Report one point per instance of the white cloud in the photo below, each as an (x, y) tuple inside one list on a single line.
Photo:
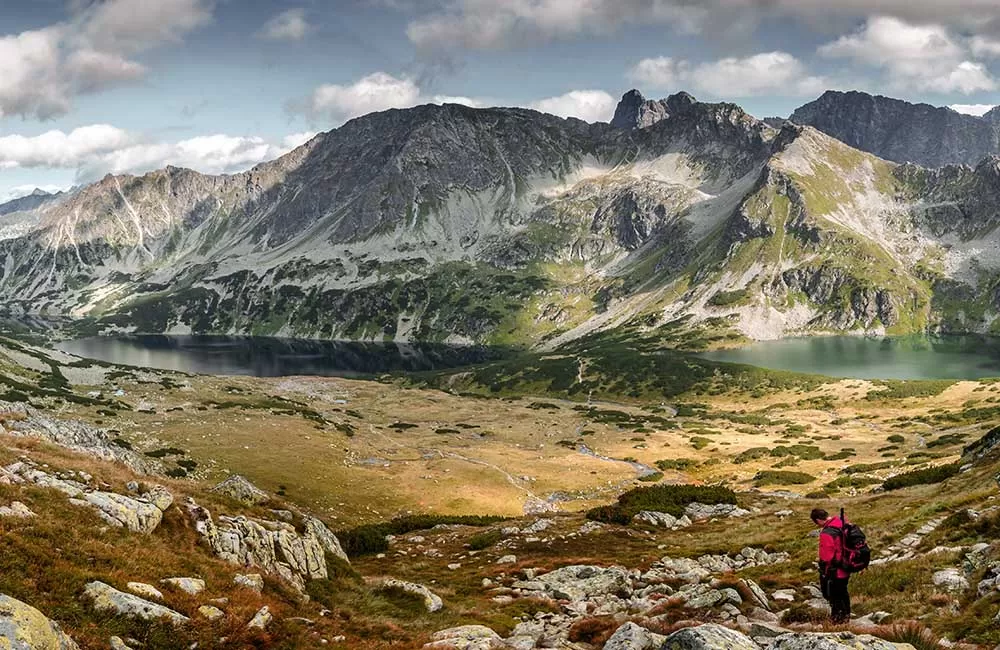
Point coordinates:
[(464, 101), (376, 92), (289, 25), (772, 73), (488, 24), (660, 72), (587, 105), (914, 57), (985, 47), (972, 109), (99, 149), (42, 70)]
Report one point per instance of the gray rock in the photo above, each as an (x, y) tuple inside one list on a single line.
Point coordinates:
[(211, 613), (242, 490), (634, 637), (432, 602), (327, 540), (253, 581), (708, 637), (950, 579), (784, 595), (759, 596), (16, 510), (466, 637), (125, 512), (701, 511), (262, 619), (507, 559), (22, 627), (103, 597), (583, 581), (766, 630), (144, 590), (834, 641), (116, 643), (192, 586)]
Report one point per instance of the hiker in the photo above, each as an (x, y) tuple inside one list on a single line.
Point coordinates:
[(833, 577)]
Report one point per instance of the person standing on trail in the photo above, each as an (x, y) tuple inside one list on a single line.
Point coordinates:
[(833, 578)]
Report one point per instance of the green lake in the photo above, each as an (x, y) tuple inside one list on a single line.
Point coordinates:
[(856, 357)]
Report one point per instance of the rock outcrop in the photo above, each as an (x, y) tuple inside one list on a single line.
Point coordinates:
[(835, 641), (708, 637), (22, 627), (467, 637), (432, 602), (273, 546), (141, 514)]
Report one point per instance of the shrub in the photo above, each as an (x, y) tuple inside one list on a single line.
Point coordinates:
[(671, 499), (654, 477), (922, 476), (679, 464), (912, 633), (754, 453), (896, 438), (700, 442), (774, 477), (484, 540), (726, 298), (370, 538)]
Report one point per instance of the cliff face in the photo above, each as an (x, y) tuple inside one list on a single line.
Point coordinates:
[(902, 132)]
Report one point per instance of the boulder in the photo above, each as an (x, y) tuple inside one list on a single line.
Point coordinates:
[(507, 559), (327, 540), (193, 586), (106, 598), (116, 643), (634, 637), (143, 590), (700, 511), (211, 613), (708, 637), (22, 627), (122, 511), (158, 496), (759, 596), (579, 582), (950, 580), (659, 519), (261, 619), (16, 510), (253, 581), (432, 602), (834, 641), (467, 637), (242, 490)]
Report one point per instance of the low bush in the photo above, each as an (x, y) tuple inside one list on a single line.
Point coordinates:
[(654, 477), (678, 464), (922, 476), (775, 477), (485, 540), (896, 438), (370, 538), (754, 453), (672, 499)]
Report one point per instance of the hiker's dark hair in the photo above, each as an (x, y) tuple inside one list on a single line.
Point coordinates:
[(818, 514)]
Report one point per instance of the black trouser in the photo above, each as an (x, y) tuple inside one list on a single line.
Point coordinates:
[(835, 592)]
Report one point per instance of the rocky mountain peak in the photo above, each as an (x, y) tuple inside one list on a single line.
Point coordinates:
[(680, 102), (903, 132), (636, 112), (993, 116)]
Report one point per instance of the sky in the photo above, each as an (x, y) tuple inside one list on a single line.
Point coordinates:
[(91, 87)]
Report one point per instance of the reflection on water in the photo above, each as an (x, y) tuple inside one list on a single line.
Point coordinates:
[(912, 357), (273, 357)]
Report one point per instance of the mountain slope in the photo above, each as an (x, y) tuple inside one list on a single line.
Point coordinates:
[(896, 130), (509, 226)]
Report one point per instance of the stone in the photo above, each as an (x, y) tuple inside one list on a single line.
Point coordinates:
[(759, 596), (122, 511), (634, 637), (537, 527), (579, 582), (659, 519), (193, 586), (466, 637), (327, 540), (116, 643), (16, 510), (784, 595), (507, 559), (253, 581), (950, 580), (211, 613), (239, 488), (158, 496), (432, 602), (784, 513), (144, 590), (834, 641), (700, 511), (22, 627), (261, 619), (106, 598), (766, 630), (708, 637)]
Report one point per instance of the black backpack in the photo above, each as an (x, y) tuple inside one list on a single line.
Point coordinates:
[(856, 555)]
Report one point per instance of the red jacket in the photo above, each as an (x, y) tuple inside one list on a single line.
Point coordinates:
[(831, 547)]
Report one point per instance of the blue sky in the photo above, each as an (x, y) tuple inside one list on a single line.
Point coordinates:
[(89, 87)]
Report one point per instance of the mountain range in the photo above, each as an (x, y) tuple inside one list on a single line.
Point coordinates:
[(509, 226)]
